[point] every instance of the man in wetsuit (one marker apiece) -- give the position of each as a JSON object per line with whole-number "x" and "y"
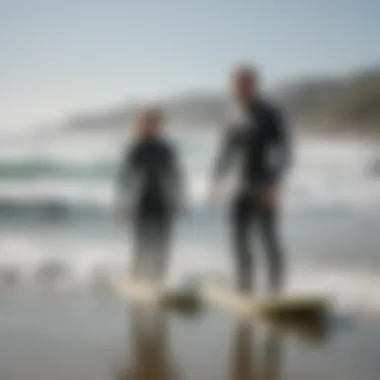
{"x": 261, "y": 142}
{"x": 150, "y": 189}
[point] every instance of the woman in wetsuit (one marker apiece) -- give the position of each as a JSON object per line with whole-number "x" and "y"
{"x": 150, "y": 190}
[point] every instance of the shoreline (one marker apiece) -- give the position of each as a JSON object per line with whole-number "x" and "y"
{"x": 106, "y": 339}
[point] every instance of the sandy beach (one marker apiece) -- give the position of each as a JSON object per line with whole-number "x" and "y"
{"x": 194, "y": 144}
{"x": 63, "y": 238}
{"x": 79, "y": 338}
{"x": 57, "y": 233}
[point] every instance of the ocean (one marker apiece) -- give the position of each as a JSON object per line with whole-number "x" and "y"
{"x": 58, "y": 232}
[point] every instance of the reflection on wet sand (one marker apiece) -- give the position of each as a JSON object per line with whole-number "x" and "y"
{"x": 244, "y": 365}
{"x": 249, "y": 358}
{"x": 152, "y": 355}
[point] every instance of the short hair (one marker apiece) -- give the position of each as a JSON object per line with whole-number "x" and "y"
{"x": 152, "y": 111}
{"x": 246, "y": 71}
{"x": 148, "y": 114}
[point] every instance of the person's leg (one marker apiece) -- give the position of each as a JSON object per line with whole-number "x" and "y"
{"x": 141, "y": 245}
{"x": 161, "y": 245}
{"x": 268, "y": 221}
{"x": 241, "y": 223}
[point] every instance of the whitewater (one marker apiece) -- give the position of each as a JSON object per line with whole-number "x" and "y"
{"x": 57, "y": 230}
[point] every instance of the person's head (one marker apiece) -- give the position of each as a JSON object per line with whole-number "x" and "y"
{"x": 245, "y": 83}
{"x": 150, "y": 123}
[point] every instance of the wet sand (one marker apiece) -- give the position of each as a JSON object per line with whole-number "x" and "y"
{"x": 80, "y": 338}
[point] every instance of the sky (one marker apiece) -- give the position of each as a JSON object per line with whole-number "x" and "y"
{"x": 60, "y": 57}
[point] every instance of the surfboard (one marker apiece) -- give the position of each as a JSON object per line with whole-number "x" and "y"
{"x": 291, "y": 307}
{"x": 283, "y": 308}
{"x": 155, "y": 295}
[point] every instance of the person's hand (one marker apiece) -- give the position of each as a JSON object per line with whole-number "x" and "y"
{"x": 122, "y": 214}
{"x": 215, "y": 195}
{"x": 269, "y": 195}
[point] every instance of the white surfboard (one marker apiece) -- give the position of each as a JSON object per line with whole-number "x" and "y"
{"x": 281, "y": 307}
{"x": 155, "y": 295}
{"x": 142, "y": 291}
{"x": 186, "y": 299}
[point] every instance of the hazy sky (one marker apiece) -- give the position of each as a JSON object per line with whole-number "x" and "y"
{"x": 60, "y": 56}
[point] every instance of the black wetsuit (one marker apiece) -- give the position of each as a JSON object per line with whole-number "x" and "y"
{"x": 262, "y": 145}
{"x": 151, "y": 178}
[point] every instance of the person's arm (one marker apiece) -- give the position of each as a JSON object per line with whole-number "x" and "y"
{"x": 226, "y": 154}
{"x": 281, "y": 149}
{"x": 176, "y": 178}
{"x": 124, "y": 177}
{"x": 279, "y": 156}
{"x": 228, "y": 149}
